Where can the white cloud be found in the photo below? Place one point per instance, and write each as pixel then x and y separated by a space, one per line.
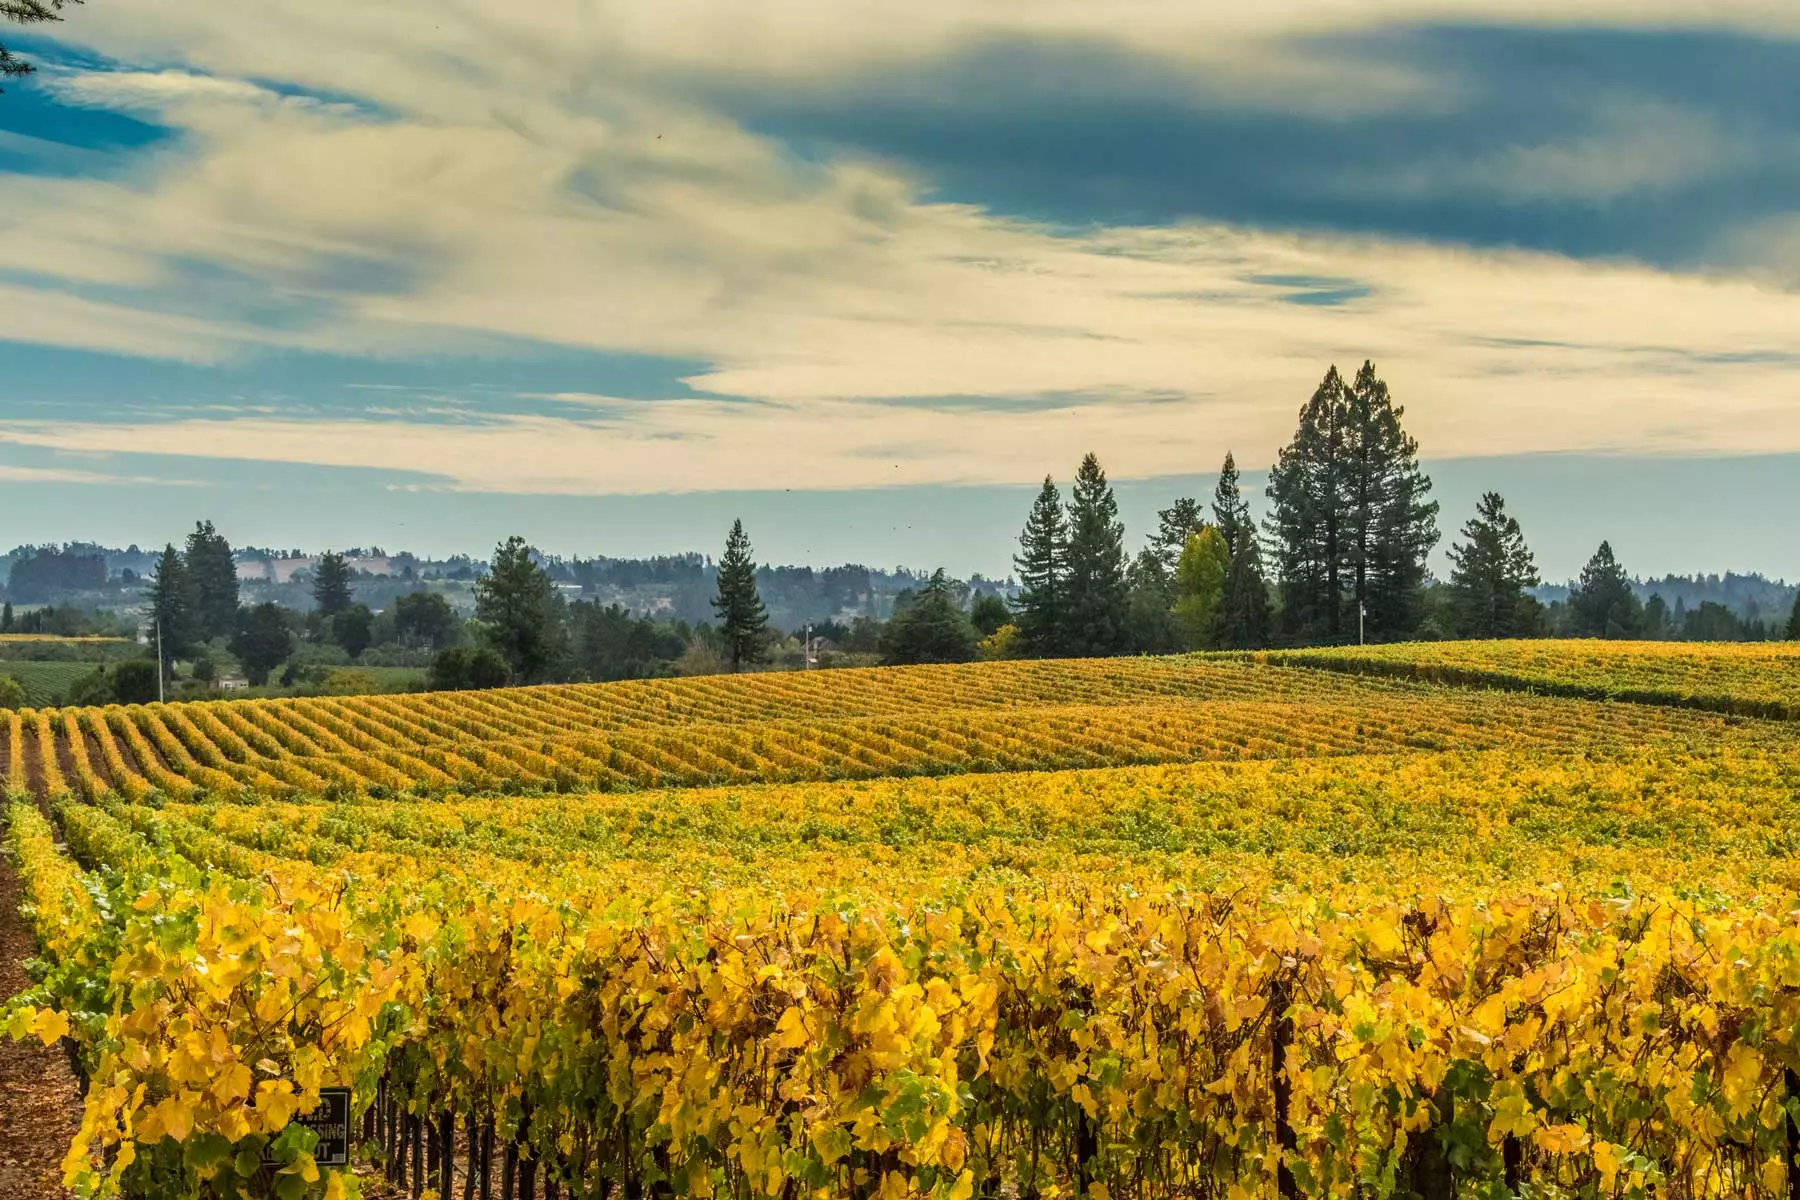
pixel 13 474
pixel 532 175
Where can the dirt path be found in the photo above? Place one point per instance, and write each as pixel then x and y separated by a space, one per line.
pixel 40 1105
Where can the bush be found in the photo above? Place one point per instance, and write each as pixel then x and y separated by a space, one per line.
pixel 466 668
pixel 92 690
pixel 134 682
pixel 12 693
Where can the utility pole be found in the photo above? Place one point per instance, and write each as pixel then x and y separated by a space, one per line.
pixel 1362 615
pixel 806 648
pixel 159 661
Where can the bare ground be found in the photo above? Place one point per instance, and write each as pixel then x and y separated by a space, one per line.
pixel 40 1103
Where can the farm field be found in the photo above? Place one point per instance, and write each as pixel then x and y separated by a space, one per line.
pixel 1152 927
pixel 45 681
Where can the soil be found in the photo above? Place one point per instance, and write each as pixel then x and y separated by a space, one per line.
pixel 40 1103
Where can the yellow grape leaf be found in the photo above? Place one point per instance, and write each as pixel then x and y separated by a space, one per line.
pixel 1384 939
pixel 790 1031
pixel 50 1025
pixel 1561 1139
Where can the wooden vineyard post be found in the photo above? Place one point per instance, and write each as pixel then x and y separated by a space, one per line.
pixel 1281 1036
pixel 1791 1078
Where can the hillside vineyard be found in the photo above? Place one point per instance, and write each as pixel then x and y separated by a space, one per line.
pixel 1328 924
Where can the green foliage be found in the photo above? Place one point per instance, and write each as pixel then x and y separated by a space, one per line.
pixel 988 612
pixel 1149 623
pixel 12 693
pixel 263 641
pixel 27 12
pixel 213 577
pixel 1490 570
pixel 611 644
pixel 1230 513
pixel 463 668
pixel 1793 625
pixel 354 629
pixel 93 689
pixel 1602 603
pixel 1095 613
pixel 331 584
pixel 929 629
pixel 1200 587
pixel 424 618
pixel 1002 643
pixel 1042 564
pixel 173 606
pixel 134 682
pixel 516 604
pixel 743 621
pixel 47 683
pixel 6 618
pixel 1349 515
pixel 1174 525
pixel 1244 621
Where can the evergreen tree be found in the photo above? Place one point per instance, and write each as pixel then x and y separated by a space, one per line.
pixel 1656 617
pixel 1793 625
pixel 743 621
pixel 931 628
pixel 1199 587
pixel 1490 570
pixel 354 629
pixel 1095 613
pixel 1602 604
pixel 1230 513
pixel 1042 564
pixel 1349 515
pixel 213 573
pixel 331 585
pixel 172 606
pixel 515 602
pixel 263 641
pixel 1244 621
pixel 988 612
pixel 1149 619
pixel 1393 524
pixel 27 12
pixel 1175 525
pixel 6 618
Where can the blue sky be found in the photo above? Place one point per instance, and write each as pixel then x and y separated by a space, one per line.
pixel 610 274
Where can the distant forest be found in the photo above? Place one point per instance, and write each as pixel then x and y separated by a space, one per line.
pixel 1339 557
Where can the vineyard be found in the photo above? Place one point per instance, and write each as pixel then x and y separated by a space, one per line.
pixel 1367 924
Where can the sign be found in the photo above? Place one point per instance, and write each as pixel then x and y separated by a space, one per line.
pixel 331 1121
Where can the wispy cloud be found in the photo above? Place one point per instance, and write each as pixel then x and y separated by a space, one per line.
pixel 16 474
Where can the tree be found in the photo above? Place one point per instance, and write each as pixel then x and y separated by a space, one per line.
pixel 1042 564
pixel 6 618
pixel 92 690
pixel 464 668
pixel 213 573
pixel 1490 570
pixel 1349 515
pixel 1230 513
pixel 1793 625
pixel 1199 588
pixel 1174 525
pixel 27 12
pixel 930 628
pixel 988 612
pixel 354 629
pixel 331 585
pixel 172 606
pixel 424 617
pixel 263 641
pixel 1602 604
pixel 743 621
pixel 12 693
pixel 1149 623
pixel 1095 612
pixel 1244 620
pixel 515 603
pixel 134 682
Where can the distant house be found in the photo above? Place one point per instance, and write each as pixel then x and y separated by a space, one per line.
pixel 232 683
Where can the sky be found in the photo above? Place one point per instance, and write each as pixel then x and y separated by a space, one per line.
pixel 609 274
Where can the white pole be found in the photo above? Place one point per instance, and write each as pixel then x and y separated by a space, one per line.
pixel 159 661
pixel 1362 612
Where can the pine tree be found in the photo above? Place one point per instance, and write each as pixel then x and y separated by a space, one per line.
pixel 331 584
pixel 1149 616
pixel 1230 513
pixel 213 574
pixel 1349 515
pixel 6 618
pixel 1175 525
pixel 27 12
pixel 1042 564
pixel 1095 613
pixel 1305 520
pixel 1793 626
pixel 1490 570
pixel 932 628
pixel 516 604
pixel 743 621
pixel 262 641
pixel 1393 525
pixel 172 605
pixel 1602 603
pixel 1244 621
